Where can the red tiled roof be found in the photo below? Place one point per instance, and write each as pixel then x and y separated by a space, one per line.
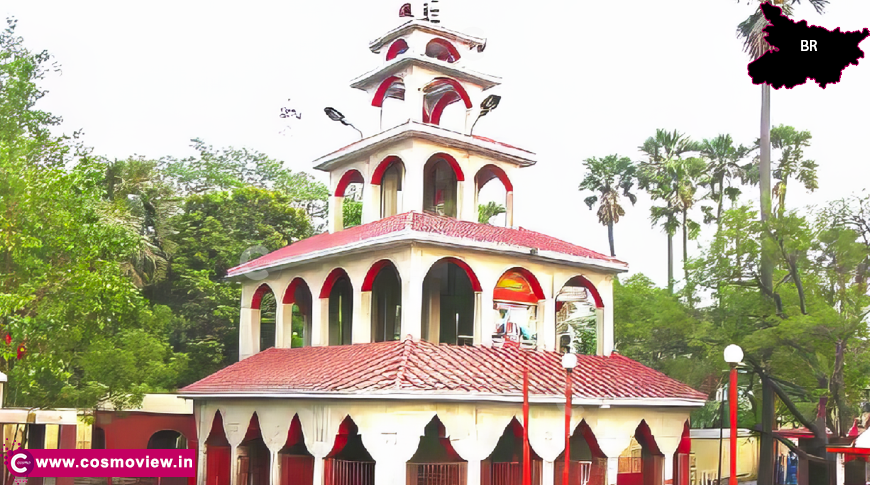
pixel 424 224
pixel 413 366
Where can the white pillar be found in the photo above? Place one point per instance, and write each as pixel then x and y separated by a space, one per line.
pixel 601 334
pixel 669 467
pixel 612 469
pixel 371 200
pixel 320 322
pixel 606 292
pixel 509 209
pixel 412 296
pixel 547 331
pixel 389 471
pixel 274 468
pixel 234 465
pixel 463 213
pixel 473 472
pixel 548 470
pixel 362 317
pixel 484 323
pixel 249 332
pixel 284 326
pixel 413 102
pixel 318 469
pixel 335 216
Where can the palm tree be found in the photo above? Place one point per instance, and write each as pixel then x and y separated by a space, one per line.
pixel 608 176
pixel 791 163
pixel 723 166
pixel 487 211
pixel 662 176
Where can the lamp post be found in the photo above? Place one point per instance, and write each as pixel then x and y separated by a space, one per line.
pixel 336 115
pixel 733 355
pixel 569 361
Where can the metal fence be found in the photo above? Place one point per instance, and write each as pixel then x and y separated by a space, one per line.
pixel 436 473
pixel 508 473
pixel 342 472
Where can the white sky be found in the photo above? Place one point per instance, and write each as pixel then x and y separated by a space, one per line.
pixel 580 79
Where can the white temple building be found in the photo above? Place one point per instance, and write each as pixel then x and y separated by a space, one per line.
pixel 401 371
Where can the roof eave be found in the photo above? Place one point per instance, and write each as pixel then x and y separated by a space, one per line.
pixel 471 41
pixel 409 235
pixel 411 129
pixel 450 396
pixel 372 78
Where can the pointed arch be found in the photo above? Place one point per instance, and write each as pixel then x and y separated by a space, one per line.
pixel 292 295
pixel 396 48
pixel 369 280
pixel 440 93
pixel 440 83
pixel 261 291
pixel 333 276
pixel 352 176
pixel 531 293
pixel 391 87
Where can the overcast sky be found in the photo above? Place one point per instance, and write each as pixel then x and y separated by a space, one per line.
pixel 580 79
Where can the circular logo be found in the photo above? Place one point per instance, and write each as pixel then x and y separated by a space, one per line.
pixel 20 463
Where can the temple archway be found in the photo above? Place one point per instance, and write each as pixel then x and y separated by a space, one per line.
pixel 347 203
pixel 440 93
pixel 641 463
pixel 297 314
pixel 263 323
pixel 436 462
pixel 349 463
pixel 448 302
pixel 504 466
pixel 442 50
pixel 441 177
pixel 253 456
pixel 579 316
pixel 515 301
pixel 501 194
pixel 390 176
pixel 295 461
pixel 385 285
pixel 217 451
pixel 588 464
pixel 338 289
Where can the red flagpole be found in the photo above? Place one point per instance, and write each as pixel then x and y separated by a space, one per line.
pixel 527 459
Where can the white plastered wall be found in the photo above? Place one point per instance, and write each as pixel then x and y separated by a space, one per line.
pixel 391 430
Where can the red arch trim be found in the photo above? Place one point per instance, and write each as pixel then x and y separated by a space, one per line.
pixel 590 438
pixel 580 280
pixel 396 48
pixel 381 93
pixel 447 45
pixel 445 101
pixel 475 283
pixel 460 176
pixel 349 177
pixel 290 294
pixel 369 281
pixel 258 296
pixel 495 172
pixel 463 94
pixel 644 436
pixel 533 282
pixel 685 445
pixel 334 275
pixel 386 163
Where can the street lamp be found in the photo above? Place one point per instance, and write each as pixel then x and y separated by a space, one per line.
pixel 569 361
pixel 336 115
pixel 487 105
pixel 733 355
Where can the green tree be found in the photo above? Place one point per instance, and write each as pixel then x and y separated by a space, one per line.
pixel 485 212
pixel 791 163
pixel 213 231
pixel 64 293
pixel 724 167
pixel 662 175
pixel 608 177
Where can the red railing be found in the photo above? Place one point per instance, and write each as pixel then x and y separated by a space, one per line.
pixel 341 472
pixel 436 473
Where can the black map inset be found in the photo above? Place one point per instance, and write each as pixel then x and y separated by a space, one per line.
pixel 802 52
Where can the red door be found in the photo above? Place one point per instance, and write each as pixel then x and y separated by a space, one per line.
pixel 217 465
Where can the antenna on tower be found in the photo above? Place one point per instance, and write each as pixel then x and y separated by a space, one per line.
pixel 434 11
